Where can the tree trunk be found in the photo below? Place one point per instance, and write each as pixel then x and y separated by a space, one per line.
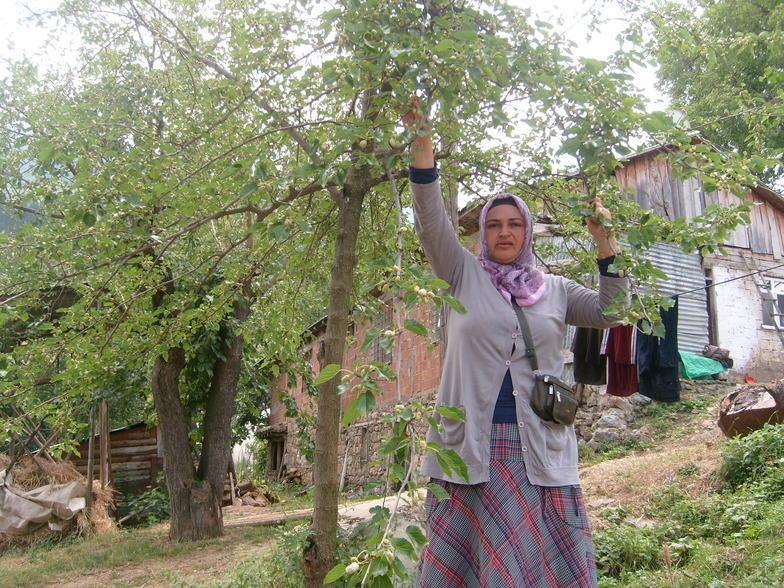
pixel 195 496
pixel 194 511
pixel 216 444
pixel 320 554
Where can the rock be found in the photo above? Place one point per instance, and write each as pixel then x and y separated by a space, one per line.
pixel 750 406
pixel 604 435
pixel 613 421
pixel 638 400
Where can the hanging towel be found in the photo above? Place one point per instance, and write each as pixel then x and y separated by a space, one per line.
pixel 590 366
pixel 621 369
pixel 658 360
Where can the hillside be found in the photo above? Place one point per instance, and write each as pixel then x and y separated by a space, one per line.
pixel 671 446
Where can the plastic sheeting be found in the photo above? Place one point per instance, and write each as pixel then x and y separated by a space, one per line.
pixel 697 367
pixel 22 512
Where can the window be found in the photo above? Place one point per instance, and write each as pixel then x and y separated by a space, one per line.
pixel 383 322
pixel 773 307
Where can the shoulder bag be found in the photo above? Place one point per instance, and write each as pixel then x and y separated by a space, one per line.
pixel 552 400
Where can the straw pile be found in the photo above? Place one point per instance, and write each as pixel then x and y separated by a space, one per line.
pixel 30 473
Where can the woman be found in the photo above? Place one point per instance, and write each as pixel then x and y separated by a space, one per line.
pixel 520 519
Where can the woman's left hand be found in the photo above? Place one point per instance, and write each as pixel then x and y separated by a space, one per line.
pixel 602 233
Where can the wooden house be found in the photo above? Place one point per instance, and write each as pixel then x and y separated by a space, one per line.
pixel 135 458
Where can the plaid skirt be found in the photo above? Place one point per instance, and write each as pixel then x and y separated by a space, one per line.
pixel 507 532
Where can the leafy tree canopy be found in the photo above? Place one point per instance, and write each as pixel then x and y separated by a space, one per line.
pixel 722 63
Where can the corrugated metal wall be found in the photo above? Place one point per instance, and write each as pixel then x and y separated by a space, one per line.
pixel 685 274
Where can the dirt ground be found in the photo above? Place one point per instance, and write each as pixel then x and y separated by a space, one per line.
pixel 625 482
pixel 629 481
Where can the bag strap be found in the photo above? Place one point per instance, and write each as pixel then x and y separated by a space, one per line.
pixel 529 343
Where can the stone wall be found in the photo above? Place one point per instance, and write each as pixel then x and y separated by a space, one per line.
pixel 603 418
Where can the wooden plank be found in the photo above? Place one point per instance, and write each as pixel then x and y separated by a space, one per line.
pixel 690 194
pixel 670 193
pixel 776 221
pixel 760 229
pixel 122 459
pixel 135 434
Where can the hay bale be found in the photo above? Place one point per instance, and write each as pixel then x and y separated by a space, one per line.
pixel 31 473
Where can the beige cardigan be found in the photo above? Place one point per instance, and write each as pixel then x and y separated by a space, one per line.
pixel 479 351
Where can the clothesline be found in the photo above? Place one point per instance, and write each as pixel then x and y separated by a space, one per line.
pixel 767 269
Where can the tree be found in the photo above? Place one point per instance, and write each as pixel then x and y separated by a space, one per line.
pixel 721 62
pixel 159 232
pixel 195 168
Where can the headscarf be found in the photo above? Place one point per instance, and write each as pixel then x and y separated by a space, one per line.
pixel 520 278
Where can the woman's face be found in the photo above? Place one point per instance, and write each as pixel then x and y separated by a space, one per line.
pixel 504 233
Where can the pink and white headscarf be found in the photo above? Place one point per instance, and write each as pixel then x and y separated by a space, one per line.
pixel 520 278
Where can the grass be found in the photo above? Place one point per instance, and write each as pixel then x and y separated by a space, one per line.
pixel 125 553
pixel 677 519
pixel 729 535
pixel 613 450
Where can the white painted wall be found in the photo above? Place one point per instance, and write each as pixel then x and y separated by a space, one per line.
pixel 738 316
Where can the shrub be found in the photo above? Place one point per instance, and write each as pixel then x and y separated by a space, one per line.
pixel 148 508
pixel 623 548
pixel 751 459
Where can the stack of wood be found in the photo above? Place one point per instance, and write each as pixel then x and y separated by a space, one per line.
pixel 246 494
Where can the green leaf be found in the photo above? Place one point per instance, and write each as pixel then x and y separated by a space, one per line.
pixel 352 413
pixel 88 218
pixel 404 546
pixel 278 232
pixel 398 472
pixel 450 460
pixel 46 154
pixel 335 573
pixel 451 412
pixel 454 303
pixel 371 335
pixel 466 35
pixel 415 532
pixel 387 343
pixel 415 327
pixel 379 567
pixel 249 189
pixel 438 284
pixel 326 374
pixel 366 402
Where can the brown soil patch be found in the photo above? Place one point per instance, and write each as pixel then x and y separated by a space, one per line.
pixel 203 567
pixel 630 482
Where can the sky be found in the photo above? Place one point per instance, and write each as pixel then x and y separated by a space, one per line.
pixel 572 13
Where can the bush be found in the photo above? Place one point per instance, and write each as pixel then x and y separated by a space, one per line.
pixel 148 508
pixel 753 459
pixel 252 462
pixel 283 568
pixel 623 548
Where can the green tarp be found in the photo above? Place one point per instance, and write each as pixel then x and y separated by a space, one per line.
pixel 696 367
